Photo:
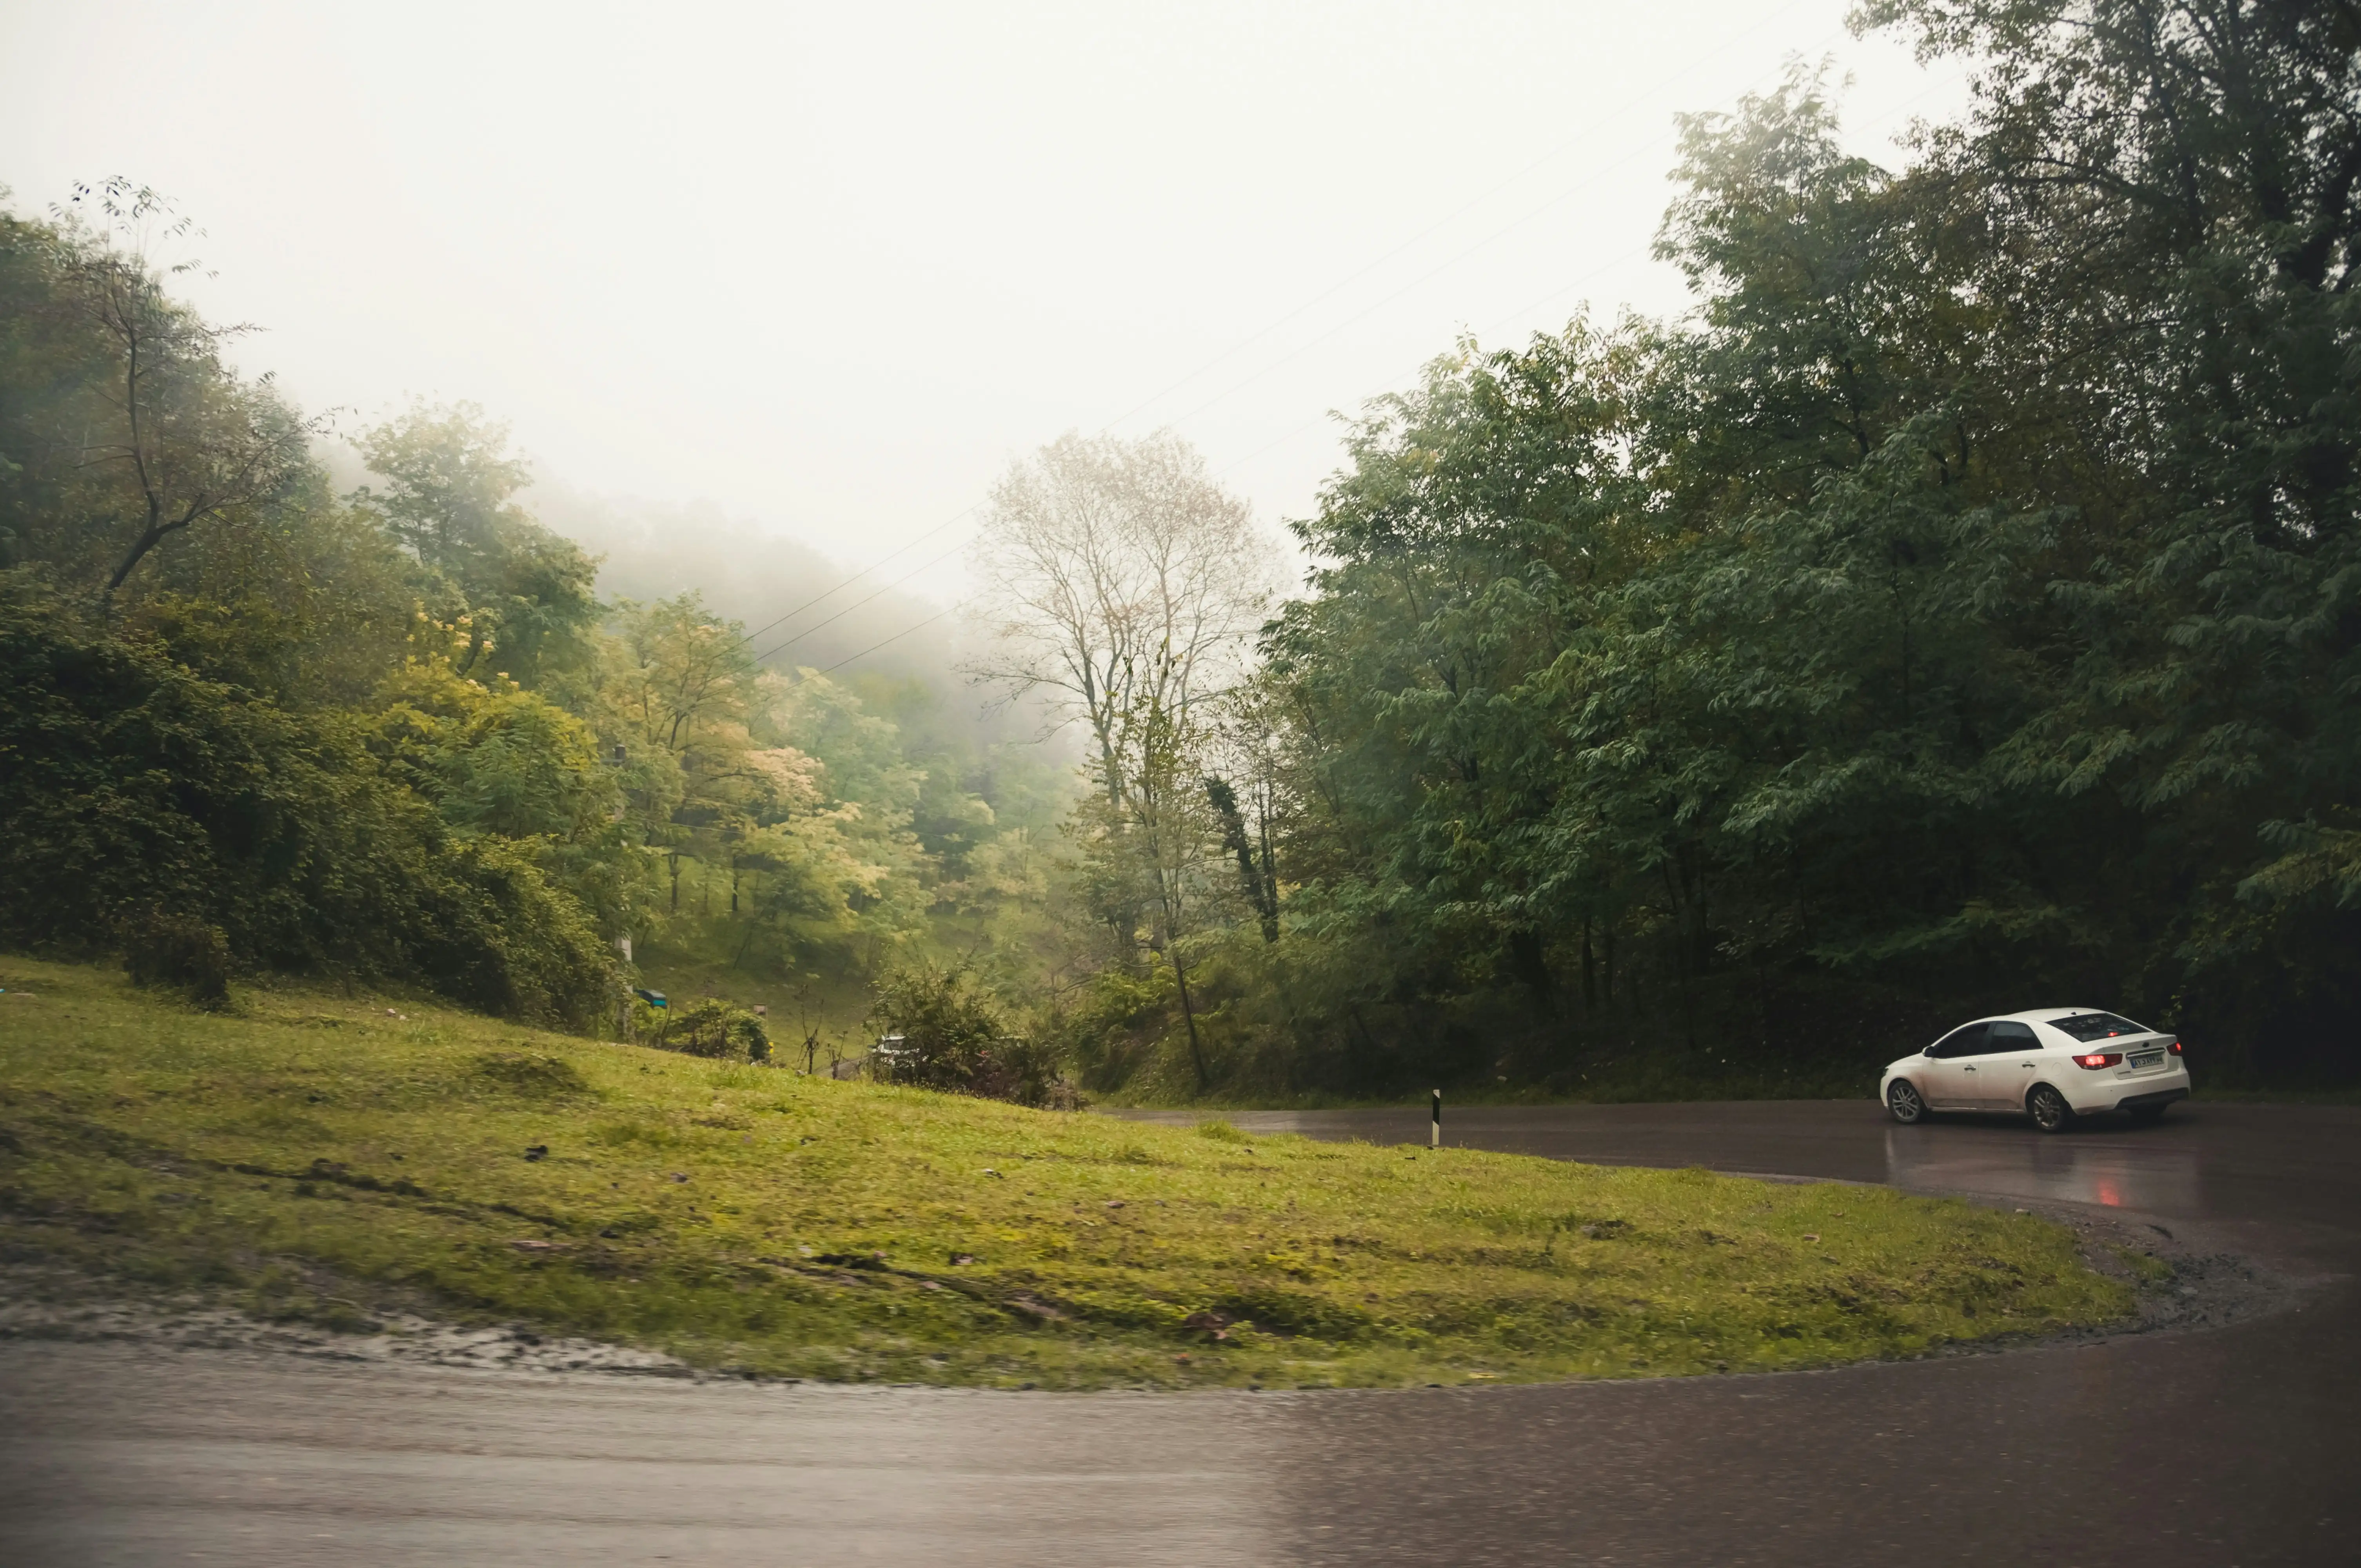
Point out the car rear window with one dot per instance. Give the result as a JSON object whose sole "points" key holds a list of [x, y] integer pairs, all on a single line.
{"points": [[2097, 1025]]}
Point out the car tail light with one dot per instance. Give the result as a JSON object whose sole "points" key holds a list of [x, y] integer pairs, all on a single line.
{"points": [[2096, 1059], [2174, 1047]]}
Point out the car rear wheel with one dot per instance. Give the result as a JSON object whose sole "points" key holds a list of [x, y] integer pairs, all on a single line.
{"points": [[1904, 1102], [2048, 1109]]}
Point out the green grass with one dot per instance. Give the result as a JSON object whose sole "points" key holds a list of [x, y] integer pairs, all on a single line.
{"points": [[311, 1154]]}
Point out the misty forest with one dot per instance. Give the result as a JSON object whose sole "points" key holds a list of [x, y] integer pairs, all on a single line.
{"points": [[1958, 609]]}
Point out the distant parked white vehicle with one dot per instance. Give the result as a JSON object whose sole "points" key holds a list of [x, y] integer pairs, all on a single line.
{"points": [[2052, 1064]]}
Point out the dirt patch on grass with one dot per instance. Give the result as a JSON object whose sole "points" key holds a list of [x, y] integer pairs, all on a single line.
{"points": [[50, 1304], [2178, 1280]]}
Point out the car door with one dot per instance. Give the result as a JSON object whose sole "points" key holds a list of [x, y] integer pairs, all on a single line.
{"points": [[2006, 1065], [1950, 1072]]}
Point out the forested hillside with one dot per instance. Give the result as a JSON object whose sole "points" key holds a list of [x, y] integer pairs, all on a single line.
{"points": [[255, 721], [1959, 610]]}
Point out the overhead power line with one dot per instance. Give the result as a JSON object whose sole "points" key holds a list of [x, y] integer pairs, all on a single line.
{"points": [[1596, 174], [1556, 291], [856, 604], [874, 646], [901, 549]]}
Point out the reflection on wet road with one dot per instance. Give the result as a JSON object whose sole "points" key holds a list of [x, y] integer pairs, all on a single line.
{"points": [[2233, 1446], [2120, 1173], [2105, 1161]]}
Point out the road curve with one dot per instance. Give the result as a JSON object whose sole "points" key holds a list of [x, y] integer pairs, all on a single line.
{"points": [[2231, 1446]]}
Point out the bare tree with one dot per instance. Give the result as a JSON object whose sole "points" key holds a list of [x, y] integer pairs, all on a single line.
{"points": [[1115, 577], [1123, 586]]}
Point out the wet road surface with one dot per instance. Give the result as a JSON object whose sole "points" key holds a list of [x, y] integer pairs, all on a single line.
{"points": [[2234, 1446]]}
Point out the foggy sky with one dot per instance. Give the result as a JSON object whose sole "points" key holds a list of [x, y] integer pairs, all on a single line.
{"points": [[830, 266]]}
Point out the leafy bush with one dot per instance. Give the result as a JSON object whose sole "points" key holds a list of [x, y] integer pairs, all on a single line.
{"points": [[952, 1037], [130, 786], [721, 1030], [498, 937], [176, 951]]}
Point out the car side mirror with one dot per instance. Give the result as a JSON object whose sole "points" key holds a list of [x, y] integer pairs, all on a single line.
{"points": [[1927, 1052]]}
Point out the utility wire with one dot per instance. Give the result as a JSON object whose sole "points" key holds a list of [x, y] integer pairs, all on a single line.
{"points": [[1598, 271], [856, 604], [1592, 178], [856, 576], [874, 646]]}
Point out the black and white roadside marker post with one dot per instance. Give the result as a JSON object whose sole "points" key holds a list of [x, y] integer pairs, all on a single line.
{"points": [[1435, 1131]]}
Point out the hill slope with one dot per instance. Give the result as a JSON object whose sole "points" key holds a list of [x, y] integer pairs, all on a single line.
{"points": [[326, 1155]]}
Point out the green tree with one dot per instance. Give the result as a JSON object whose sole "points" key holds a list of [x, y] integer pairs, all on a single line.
{"points": [[141, 431], [448, 495]]}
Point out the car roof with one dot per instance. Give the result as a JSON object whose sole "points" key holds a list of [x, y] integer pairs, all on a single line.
{"points": [[2040, 1015]]}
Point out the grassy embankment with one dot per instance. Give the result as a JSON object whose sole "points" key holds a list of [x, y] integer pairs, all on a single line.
{"points": [[311, 1155]]}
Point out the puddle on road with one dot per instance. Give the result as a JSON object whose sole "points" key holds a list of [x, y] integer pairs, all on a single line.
{"points": [[2114, 1175]]}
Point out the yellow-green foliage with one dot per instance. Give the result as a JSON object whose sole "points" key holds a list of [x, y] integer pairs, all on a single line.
{"points": [[311, 1152]]}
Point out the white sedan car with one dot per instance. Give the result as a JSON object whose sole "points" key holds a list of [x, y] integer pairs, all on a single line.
{"points": [[2052, 1064]]}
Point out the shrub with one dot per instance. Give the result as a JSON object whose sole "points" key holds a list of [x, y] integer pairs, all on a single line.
{"points": [[952, 1037], [130, 786], [720, 1030], [498, 937], [180, 952]]}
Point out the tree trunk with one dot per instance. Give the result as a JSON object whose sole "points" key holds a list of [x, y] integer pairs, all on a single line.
{"points": [[1261, 888], [148, 539], [1368, 1041], [1530, 963], [1188, 1013], [1269, 872]]}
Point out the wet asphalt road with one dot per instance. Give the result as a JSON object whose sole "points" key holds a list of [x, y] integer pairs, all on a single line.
{"points": [[2233, 1446]]}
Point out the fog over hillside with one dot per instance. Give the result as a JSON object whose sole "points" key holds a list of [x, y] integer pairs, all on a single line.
{"points": [[803, 609]]}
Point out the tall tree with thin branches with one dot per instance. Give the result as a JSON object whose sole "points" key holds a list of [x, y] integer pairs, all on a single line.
{"points": [[1121, 585], [194, 441]]}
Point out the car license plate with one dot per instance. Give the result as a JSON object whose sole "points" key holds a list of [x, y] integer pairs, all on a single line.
{"points": [[2146, 1059]]}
